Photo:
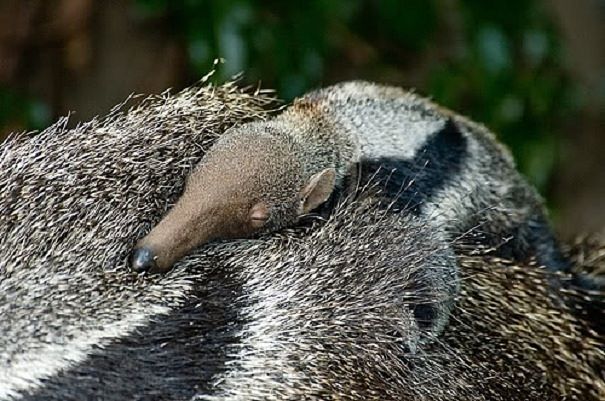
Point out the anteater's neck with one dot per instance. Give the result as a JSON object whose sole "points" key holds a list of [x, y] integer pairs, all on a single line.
{"points": [[323, 142]]}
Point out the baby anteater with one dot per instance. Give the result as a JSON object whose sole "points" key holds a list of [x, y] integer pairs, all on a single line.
{"points": [[262, 176]]}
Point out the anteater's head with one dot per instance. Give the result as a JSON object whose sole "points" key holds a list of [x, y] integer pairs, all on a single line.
{"points": [[253, 180]]}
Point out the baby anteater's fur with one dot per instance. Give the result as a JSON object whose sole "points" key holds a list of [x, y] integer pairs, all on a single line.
{"points": [[262, 176]]}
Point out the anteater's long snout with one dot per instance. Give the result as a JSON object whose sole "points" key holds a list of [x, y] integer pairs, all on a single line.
{"points": [[187, 226], [161, 248], [173, 238]]}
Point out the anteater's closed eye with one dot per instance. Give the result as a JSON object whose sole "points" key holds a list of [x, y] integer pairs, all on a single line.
{"points": [[259, 214]]}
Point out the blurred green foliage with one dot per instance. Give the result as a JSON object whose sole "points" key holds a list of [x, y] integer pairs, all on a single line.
{"points": [[18, 111], [509, 76], [498, 61]]}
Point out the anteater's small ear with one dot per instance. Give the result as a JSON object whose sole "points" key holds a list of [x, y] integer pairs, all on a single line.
{"points": [[259, 214], [318, 189]]}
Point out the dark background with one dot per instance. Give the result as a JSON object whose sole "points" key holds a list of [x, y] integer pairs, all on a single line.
{"points": [[533, 71]]}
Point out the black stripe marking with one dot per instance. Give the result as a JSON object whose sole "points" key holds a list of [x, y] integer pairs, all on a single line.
{"points": [[408, 184], [172, 358]]}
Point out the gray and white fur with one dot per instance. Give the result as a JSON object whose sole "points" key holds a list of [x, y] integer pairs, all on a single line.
{"points": [[320, 311], [262, 176]]}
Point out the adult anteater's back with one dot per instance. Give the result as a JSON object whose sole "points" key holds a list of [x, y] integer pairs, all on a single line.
{"points": [[326, 311]]}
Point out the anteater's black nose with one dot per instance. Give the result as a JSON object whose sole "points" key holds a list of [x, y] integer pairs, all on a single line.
{"points": [[142, 260]]}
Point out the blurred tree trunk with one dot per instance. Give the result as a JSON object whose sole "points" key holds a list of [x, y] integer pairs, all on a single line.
{"points": [[84, 55], [128, 57], [580, 185]]}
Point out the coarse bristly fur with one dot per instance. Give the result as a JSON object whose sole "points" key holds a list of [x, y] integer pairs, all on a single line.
{"points": [[319, 311], [262, 176], [449, 172]]}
